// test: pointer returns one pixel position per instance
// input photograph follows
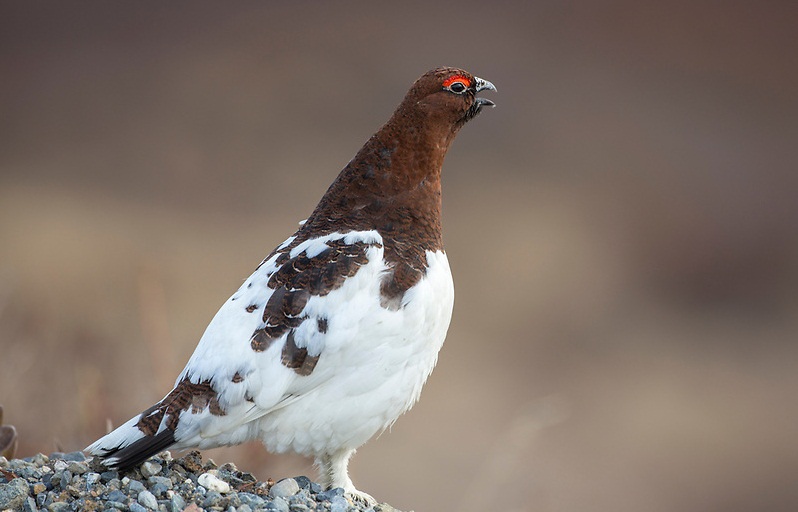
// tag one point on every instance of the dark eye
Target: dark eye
(457, 84)
(457, 87)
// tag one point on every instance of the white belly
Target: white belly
(372, 368)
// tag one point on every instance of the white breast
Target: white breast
(373, 365)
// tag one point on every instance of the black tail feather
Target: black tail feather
(141, 450)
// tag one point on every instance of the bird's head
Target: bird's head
(448, 95)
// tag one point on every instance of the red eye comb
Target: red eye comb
(457, 78)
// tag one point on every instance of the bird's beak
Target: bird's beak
(482, 85)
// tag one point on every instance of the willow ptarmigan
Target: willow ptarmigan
(332, 337)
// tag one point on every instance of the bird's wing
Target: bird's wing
(261, 349)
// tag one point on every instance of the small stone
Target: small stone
(150, 468)
(29, 505)
(177, 503)
(303, 482)
(330, 494)
(338, 504)
(77, 468)
(147, 499)
(278, 505)
(252, 500)
(162, 480)
(244, 508)
(135, 507)
(75, 456)
(135, 487)
(213, 483)
(284, 488)
(40, 459)
(158, 490)
(117, 495)
(58, 506)
(13, 494)
(212, 499)
(38, 487)
(107, 476)
(60, 465)
(384, 507)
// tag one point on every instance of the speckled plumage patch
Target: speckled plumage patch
(186, 395)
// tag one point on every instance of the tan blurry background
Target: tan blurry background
(623, 230)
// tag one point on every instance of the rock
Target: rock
(135, 487)
(213, 483)
(339, 504)
(177, 503)
(284, 488)
(160, 480)
(118, 496)
(107, 476)
(13, 494)
(135, 507)
(75, 456)
(147, 499)
(150, 468)
(29, 505)
(278, 505)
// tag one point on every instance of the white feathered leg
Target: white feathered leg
(334, 473)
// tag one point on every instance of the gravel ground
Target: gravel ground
(70, 482)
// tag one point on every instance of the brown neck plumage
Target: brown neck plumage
(392, 185)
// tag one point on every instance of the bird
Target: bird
(334, 334)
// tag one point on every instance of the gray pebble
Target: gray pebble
(253, 500)
(284, 488)
(107, 476)
(338, 504)
(29, 505)
(166, 482)
(92, 479)
(244, 508)
(77, 468)
(212, 499)
(158, 489)
(74, 456)
(148, 500)
(117, 496)
(177, 502)
(278, 505)
(58, 506)
(13, 494)
(135, 507)
(150, 468)
(330, 494)
(135, 487)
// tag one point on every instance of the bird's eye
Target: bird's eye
(457, 84)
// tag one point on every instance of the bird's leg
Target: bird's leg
(334, 472)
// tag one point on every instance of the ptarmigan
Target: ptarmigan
(332, 337)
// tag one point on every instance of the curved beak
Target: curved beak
(482, 85)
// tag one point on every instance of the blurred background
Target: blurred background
(623, 231)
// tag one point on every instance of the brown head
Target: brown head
(446, 96)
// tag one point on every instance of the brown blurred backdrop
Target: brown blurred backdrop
(623, 229)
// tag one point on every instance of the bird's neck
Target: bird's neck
(392, 185)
